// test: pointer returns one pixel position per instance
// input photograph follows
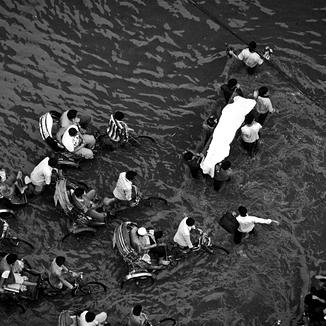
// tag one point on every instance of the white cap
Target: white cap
(142, 231)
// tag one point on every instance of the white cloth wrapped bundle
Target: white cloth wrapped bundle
(231, 120)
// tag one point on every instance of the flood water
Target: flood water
(162, 62)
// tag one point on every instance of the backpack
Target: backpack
(229, 223)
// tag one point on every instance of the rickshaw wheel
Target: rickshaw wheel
(167, 322)
(138, 280)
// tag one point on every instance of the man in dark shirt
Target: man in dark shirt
(230, 89)
(222, 174)
(193, 161)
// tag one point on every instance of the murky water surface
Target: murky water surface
(162, 63)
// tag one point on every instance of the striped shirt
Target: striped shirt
(117, 130)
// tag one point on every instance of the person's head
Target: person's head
(79, 192)
(211, 121)
(190, 221)
(249, 118)
(90, 316)
(119, 115)
(313, 290)
(11, 259)
(226, 165)
(53, 162)
(263, 91)
(72, 115)
(188, 156)
(130, 175)
(137, 310)
(60, 260)
(232, 83)
(252, 46)
(72, 132)
(142, 231)
(242, 211)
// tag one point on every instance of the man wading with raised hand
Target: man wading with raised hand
(247, 224)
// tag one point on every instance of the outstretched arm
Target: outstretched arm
(233, 54)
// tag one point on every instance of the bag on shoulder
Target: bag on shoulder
(229, 223)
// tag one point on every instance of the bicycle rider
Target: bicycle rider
(182, 237)
(137, 317)
(58, 273)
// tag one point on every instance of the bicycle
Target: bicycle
(163, 322)
(80, 287)
(7, 238)
(204, 242)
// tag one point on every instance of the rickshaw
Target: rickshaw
(14, 294)
(18, 194)
(81, 223)
(141, 268)
(49, 125)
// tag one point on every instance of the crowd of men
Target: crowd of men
(73, 136)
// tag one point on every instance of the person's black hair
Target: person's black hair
(130, 175)
(211, 121)
(225, 165)
(137, 310)
(90, 316)
(119, 115)
(53, 162)
(190, 221)
(242, 210)
(72, 114)
(313, 290)
(262, 91)
(252, 46)
(79, 192)
(188, 156)
(232, 82)
(72, 131)
(11, 258)
(249, 118)
(60, 260)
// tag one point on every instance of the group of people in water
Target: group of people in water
(72, 135)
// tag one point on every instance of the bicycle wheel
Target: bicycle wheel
(152, 198)
(215, 247)
(167, 322)
(79, 233)
(147, 137)
(7, 213)
(140, 280)
(92, 288)
(17, 242)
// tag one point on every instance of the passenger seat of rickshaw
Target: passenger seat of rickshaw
(15, 287)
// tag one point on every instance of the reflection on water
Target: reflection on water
(162, 62)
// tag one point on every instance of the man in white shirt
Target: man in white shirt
(250, 57)
(182, 237)
(264, 105)
(41, 175)
(88, 318)
(58, 273)
(72, 118)
(123, 190)
(250, 134)
(77, 143)
(247, 224)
